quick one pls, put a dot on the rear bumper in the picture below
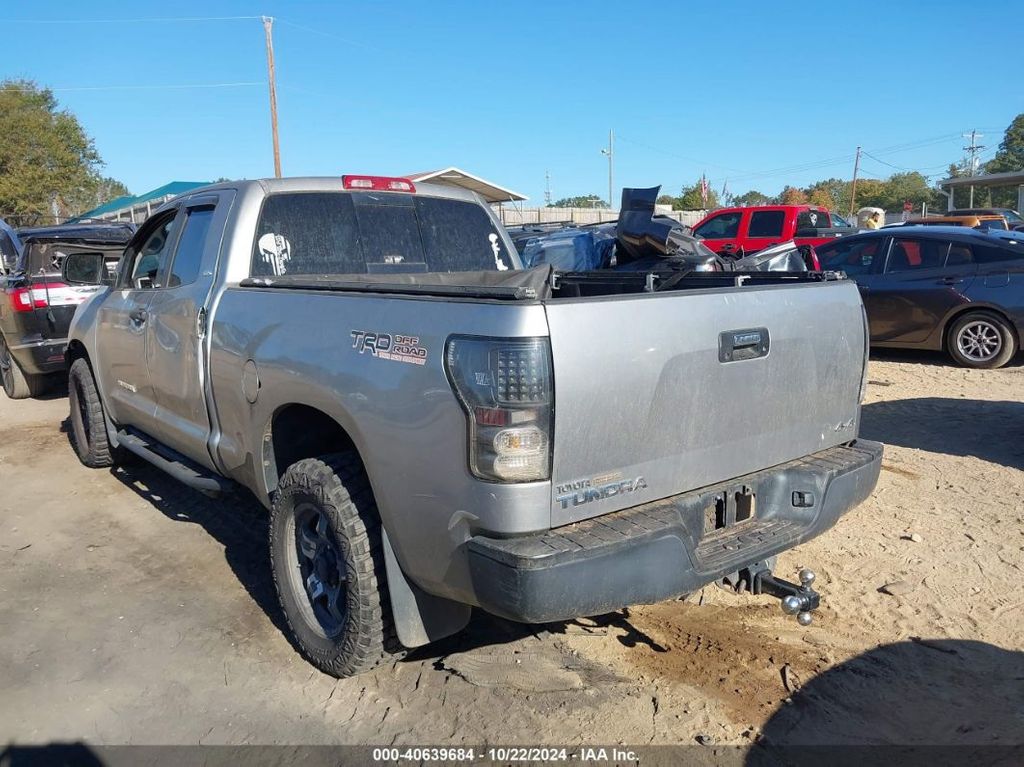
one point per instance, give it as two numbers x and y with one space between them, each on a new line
661 550
40 357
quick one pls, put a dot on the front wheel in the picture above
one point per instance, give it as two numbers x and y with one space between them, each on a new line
981 340
88 426
328 565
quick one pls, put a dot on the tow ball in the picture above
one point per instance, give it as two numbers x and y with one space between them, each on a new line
796 600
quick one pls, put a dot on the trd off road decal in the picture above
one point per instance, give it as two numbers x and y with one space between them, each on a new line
386 346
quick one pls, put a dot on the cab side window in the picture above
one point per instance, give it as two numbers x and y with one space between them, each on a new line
150 261
909 255
723 225
189 254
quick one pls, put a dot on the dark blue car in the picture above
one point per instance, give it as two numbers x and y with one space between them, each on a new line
936 287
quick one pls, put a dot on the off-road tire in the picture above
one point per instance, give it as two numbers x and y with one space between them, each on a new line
337 487
88 426
988 323
17 385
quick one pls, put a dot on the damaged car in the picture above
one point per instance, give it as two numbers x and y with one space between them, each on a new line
39 305
640 240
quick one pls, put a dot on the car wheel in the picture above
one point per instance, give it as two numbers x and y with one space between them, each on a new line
88 426
328 565
981 340
16 384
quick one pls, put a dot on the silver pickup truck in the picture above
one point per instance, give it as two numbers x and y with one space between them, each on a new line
433 427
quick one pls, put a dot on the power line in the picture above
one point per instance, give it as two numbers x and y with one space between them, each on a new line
165 19
322 33
184 86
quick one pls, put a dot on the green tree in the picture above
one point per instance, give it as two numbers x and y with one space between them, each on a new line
690 198
753 197
585 201
791 195
909 187
1009 157
48 164
871 193
831 193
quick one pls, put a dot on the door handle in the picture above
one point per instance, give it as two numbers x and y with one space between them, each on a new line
138 316
950 281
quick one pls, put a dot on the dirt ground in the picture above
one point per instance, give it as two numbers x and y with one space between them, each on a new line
133 610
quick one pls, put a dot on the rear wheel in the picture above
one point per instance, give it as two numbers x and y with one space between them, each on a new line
17 385
88 426
328 565
981 340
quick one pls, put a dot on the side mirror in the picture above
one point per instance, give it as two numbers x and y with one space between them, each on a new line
87 269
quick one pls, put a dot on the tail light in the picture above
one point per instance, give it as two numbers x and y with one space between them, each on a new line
21 300
378 183
41 296
507 390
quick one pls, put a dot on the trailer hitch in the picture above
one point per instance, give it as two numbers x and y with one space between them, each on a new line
796 600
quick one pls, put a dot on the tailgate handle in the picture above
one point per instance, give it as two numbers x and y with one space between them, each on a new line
746 344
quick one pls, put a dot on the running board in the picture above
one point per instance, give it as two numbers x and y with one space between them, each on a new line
175 464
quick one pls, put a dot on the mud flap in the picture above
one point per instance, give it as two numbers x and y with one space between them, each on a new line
420 618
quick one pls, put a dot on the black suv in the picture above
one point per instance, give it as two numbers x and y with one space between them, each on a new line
938 287
37 306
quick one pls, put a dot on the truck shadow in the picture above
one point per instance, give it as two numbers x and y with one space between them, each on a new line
959 693
239 523
990 430
485 630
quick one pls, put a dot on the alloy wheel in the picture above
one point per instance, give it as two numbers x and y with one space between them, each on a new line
318 571
979 341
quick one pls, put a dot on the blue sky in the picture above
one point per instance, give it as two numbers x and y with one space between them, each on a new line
761 94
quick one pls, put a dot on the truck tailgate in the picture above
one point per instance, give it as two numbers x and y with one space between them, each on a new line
657 394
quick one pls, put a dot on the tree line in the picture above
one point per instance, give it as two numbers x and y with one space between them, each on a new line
49 167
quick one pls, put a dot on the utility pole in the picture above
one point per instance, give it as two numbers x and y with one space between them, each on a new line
610 153
268 22
972 157
853 190
547 188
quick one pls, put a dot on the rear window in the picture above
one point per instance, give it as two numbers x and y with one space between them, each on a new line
374 233
992 223
812 219
47 257
990 254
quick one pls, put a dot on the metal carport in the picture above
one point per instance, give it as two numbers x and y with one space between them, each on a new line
992 179
456 177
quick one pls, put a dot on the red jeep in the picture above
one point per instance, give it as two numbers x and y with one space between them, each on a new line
742 231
